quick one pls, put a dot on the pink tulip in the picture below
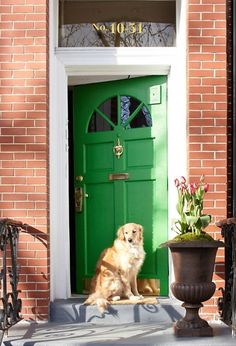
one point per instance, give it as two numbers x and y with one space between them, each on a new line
206 187
177 183
192 188
182 180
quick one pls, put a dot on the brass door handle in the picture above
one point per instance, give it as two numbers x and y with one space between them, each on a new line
79 199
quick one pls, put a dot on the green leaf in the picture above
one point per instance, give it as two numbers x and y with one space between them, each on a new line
192 220
205 220
198 221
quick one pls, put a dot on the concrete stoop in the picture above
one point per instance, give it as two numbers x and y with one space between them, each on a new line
75 324
72 310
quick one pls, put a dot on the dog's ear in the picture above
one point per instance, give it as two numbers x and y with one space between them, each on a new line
120 233
140 228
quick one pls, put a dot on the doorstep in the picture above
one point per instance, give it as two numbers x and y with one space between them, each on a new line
74 333
132 334
73 311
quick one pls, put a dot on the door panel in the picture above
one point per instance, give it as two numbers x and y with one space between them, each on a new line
97 205
127 115
138 199
98 157
140 153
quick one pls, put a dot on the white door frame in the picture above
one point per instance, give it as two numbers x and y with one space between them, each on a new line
66 62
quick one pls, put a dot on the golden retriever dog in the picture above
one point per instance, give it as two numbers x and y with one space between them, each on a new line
117 268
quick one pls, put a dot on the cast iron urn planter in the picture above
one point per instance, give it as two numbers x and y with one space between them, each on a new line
193 263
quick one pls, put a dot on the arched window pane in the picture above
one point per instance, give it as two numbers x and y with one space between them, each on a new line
98 123
105 117
134 114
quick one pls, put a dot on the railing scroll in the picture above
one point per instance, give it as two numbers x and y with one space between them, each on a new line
227 303
10 269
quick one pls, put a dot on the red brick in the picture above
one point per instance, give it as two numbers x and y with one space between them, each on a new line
24 156
14 197
40 17
23 106
6 139
201 40
194 49
24 172
13 180
214 98
200 8
41 189
13 147
201 90
24 139
214 163
6 156
36 180
201 122
202 155
194 147
36 164
13 131
220 57
201 24
220 24
214 65
213 81
24 188
214 147
201 139
24 123
214 32
13 82
37 197
5 107
214 16
6 188
6 205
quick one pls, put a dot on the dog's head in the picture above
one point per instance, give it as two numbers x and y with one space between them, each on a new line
131 233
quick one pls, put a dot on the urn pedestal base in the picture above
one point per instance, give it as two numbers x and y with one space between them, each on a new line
192 324
193 264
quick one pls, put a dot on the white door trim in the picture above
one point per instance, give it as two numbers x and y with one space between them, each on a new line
105 62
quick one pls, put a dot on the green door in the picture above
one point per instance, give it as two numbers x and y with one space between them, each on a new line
120 170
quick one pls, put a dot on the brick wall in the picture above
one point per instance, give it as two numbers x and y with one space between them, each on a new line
24 140
207 127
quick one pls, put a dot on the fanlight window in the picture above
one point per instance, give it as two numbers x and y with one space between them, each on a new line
117 23
126 111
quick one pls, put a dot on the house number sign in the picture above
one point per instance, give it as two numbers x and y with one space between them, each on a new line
119 28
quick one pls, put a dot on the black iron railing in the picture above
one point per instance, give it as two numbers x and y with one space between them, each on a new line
9 269
227 303
9 276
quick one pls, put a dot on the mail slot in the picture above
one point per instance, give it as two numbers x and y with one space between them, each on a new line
118 176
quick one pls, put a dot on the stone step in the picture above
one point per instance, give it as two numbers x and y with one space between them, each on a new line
73 311
84 334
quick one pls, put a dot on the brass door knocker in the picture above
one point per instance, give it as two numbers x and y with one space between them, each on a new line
118 149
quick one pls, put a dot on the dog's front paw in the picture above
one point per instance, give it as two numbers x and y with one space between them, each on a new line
134 298
115 298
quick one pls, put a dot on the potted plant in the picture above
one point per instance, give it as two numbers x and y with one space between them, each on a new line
193 252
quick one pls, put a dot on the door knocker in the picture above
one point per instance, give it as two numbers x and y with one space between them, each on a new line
118 149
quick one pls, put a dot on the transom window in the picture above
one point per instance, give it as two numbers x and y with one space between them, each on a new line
113 23
126 111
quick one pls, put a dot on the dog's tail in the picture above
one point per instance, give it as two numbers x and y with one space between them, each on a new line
97 299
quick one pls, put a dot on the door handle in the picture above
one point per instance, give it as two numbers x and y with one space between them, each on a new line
79 199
